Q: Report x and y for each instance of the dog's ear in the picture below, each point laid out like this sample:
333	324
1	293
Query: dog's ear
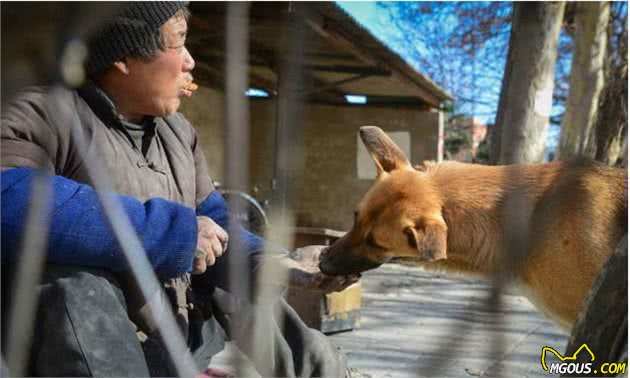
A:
386	154
429	240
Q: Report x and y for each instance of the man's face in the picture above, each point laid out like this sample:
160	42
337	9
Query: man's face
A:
159	83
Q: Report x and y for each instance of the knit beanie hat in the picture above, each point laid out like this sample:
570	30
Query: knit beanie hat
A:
133	31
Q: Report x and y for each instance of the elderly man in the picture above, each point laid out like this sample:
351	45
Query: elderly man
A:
139	70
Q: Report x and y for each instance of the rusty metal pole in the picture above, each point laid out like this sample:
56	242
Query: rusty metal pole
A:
237	152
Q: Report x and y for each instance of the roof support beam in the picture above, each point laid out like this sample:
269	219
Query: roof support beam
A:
269	60
371	71
337	83
217	73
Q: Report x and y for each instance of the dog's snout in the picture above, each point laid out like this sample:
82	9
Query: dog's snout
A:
326	268
323	253
340	262
329	261
325	263
432	255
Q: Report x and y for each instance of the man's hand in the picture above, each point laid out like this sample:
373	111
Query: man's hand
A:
212	241
304	272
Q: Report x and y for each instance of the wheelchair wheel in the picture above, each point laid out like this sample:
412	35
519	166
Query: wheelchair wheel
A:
252	215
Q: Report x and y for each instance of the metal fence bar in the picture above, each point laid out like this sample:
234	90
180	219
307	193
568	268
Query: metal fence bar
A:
288	155
29	269
237	155
288	151
289	141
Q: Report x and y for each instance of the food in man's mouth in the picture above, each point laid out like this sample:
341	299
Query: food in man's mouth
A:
191	87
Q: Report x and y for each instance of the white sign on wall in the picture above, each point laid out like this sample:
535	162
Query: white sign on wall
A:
365	165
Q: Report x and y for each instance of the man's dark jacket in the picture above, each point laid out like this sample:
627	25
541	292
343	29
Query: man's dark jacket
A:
162	190
162	184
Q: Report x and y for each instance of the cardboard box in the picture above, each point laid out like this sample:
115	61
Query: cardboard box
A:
334	312
330	313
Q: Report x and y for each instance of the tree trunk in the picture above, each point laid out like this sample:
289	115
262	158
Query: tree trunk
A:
603	321
526	92
495	132
612	119
586	80
612	116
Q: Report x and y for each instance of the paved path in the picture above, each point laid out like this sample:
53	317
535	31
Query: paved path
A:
407	314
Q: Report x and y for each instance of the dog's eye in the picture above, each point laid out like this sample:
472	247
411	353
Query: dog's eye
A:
371	242
356	215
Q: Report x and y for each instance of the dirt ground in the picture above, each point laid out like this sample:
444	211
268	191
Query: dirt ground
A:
417	324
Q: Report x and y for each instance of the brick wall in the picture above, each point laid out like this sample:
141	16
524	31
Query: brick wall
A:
328	187
205	111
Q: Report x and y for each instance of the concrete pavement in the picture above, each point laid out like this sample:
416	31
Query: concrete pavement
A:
418	324
412	320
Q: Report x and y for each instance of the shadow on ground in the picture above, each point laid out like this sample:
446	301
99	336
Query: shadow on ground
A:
408	313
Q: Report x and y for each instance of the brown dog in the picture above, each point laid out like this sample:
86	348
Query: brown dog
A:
564	219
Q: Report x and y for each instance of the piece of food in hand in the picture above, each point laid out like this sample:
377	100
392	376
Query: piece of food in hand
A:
306	273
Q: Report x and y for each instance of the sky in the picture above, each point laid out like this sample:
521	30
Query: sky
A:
375	19
378	22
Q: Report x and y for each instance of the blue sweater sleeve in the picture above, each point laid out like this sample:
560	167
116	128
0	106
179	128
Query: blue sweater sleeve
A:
80	234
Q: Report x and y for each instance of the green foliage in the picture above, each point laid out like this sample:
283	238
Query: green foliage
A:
456	140
483	152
